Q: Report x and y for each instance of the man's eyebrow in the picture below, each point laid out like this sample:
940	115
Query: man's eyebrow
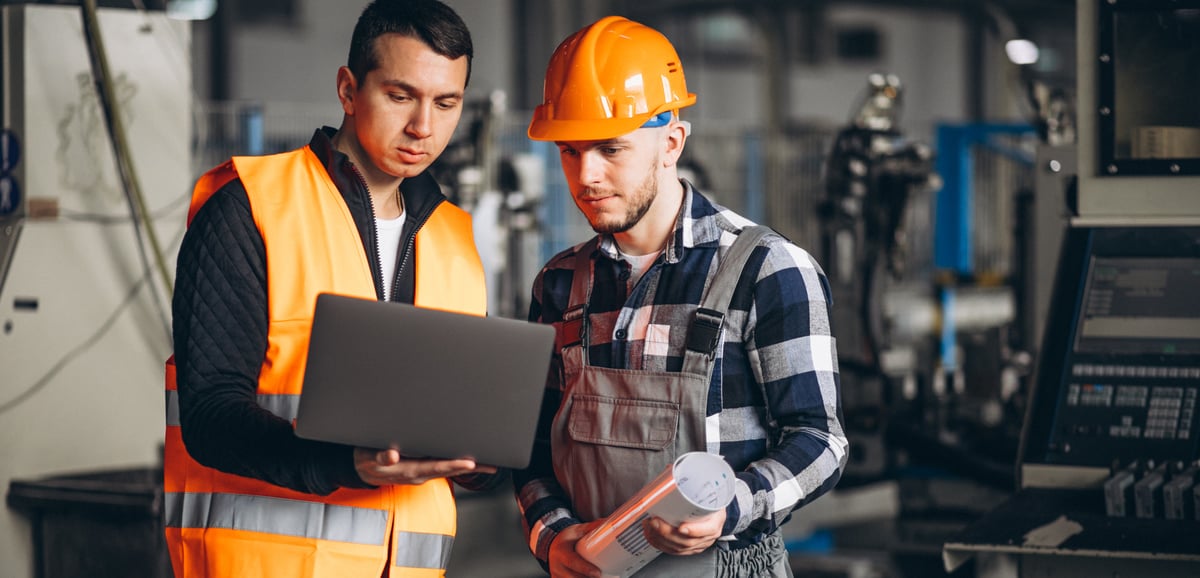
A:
612	142
406	87
599	143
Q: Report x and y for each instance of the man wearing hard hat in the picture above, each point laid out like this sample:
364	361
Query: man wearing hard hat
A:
659	353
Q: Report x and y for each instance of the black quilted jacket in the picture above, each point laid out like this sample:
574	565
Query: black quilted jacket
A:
220	332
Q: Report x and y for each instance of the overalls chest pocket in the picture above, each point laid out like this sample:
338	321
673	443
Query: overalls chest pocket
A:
620	422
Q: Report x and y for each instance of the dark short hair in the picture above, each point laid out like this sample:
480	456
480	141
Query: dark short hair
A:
430	21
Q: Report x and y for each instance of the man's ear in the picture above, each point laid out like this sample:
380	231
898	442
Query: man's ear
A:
673	143
347	85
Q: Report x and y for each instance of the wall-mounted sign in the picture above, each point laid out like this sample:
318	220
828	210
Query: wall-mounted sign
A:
10	151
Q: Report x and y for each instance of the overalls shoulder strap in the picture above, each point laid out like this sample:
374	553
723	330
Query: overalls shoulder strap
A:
575	316
704	334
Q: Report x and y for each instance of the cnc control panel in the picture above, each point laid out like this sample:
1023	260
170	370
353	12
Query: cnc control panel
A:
1124	380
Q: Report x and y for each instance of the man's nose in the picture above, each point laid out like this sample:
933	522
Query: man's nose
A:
420	125
589	171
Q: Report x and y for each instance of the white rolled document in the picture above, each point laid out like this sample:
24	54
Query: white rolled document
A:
695	485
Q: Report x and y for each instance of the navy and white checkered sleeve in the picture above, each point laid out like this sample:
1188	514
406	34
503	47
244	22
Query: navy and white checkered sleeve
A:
793	356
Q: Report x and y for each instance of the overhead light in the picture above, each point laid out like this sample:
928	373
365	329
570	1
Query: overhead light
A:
1021	51
191	9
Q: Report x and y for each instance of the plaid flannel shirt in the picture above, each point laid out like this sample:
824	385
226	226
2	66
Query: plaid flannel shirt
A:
774	409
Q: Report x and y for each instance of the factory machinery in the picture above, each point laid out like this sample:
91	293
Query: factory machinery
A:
933	358
931	344
1045	398
1108	455
1107	471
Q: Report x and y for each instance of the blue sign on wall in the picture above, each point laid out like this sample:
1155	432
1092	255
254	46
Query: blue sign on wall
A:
10	151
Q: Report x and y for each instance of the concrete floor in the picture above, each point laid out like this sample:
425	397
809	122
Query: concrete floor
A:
490	541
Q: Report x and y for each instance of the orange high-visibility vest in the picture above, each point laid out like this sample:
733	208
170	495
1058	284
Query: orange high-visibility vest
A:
220	524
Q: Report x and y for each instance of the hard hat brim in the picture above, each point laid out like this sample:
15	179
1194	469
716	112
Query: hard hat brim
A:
573	130
545	129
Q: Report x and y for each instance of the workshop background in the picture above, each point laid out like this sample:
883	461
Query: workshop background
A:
933	154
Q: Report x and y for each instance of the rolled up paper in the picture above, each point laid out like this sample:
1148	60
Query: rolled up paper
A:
695	485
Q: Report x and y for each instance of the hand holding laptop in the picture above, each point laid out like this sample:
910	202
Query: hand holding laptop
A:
384	467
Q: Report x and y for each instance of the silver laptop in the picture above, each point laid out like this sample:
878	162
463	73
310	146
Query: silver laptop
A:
432	383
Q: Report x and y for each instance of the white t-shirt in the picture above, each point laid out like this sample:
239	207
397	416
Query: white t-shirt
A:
639	264
389	231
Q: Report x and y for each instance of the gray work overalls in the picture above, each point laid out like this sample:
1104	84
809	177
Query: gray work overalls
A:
617	429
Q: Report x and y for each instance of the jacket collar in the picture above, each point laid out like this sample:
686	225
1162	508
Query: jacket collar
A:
421	193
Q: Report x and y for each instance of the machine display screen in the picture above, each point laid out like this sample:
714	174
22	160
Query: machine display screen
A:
1120	373
1141	306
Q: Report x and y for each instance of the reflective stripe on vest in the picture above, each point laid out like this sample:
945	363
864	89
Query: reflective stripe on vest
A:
304	520
316	249
276	516
415	550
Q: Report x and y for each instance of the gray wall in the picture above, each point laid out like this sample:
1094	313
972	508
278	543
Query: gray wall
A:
297	62
928	48
81	375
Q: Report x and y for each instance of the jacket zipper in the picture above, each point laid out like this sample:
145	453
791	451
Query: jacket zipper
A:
374	232
409	243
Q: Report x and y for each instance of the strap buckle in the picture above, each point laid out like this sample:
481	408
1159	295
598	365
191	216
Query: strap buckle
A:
571	331
705	331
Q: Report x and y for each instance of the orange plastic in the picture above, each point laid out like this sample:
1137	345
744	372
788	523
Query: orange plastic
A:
608	79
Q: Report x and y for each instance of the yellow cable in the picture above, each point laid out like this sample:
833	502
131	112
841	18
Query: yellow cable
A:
117	131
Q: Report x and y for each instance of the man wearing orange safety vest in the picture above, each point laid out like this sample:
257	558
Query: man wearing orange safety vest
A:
354	212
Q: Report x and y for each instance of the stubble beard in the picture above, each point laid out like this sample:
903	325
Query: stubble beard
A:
640	203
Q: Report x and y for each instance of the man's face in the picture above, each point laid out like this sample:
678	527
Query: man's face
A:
405	110
614	182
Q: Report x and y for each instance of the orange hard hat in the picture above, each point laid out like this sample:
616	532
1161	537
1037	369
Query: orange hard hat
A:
607	80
